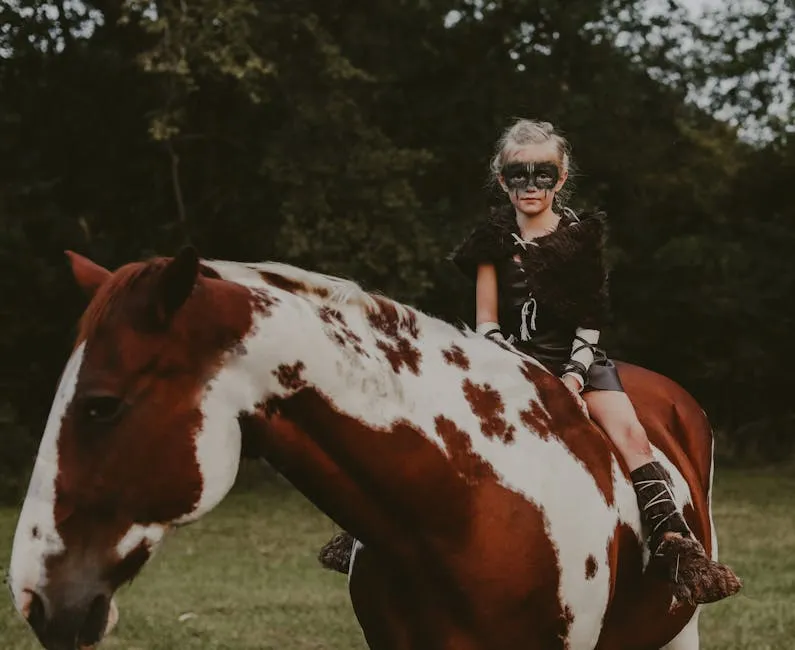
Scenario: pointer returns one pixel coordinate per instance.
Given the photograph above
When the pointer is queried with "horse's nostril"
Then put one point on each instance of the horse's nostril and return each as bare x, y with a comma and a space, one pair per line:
37, 614
96, 620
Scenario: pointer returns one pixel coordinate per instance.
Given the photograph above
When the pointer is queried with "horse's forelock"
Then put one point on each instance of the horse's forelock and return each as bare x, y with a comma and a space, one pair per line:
116, 291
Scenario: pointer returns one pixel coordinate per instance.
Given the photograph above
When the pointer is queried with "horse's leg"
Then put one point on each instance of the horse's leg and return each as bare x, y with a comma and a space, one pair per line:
375, 595
687, 639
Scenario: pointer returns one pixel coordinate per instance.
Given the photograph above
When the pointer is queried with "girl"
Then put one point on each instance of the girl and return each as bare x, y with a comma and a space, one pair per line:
541, 285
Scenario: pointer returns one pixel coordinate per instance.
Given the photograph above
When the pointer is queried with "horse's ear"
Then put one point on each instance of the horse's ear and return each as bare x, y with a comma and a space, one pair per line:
177, 281
88, 275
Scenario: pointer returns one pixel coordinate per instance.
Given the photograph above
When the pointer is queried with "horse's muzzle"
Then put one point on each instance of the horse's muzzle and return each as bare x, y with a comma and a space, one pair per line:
71, 623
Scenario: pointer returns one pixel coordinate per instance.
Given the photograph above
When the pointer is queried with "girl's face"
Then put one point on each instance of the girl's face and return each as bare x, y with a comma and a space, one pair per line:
532, 176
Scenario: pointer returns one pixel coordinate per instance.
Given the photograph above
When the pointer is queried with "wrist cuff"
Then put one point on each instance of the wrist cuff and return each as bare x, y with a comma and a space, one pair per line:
578, 377
491, 331
485, 328
577, 369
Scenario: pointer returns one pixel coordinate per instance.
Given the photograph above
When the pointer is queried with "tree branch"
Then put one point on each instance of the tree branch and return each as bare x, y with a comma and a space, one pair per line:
181, 215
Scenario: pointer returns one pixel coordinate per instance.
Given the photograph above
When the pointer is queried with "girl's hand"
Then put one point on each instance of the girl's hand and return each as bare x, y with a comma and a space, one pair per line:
574, 388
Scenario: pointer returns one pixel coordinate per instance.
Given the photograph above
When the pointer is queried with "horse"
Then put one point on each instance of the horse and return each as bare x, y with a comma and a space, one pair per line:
491, 511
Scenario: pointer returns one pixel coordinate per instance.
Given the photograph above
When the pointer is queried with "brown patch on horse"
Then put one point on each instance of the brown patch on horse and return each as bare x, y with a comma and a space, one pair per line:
284, 283
571, 427
468, 587
459, 446
402, 354
397, 328
330, 315
591, 567
289, 375
624, 562
262, 301
537, 419
568, 617
638, 599
339, 331
291, 285
455, 356
487, 405
391, 320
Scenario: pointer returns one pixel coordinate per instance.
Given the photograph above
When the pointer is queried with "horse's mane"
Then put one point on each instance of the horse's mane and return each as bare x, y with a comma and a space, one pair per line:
332, 288
327, 289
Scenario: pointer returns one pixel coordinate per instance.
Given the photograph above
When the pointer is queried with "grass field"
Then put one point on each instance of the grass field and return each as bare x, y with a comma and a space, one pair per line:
245, 577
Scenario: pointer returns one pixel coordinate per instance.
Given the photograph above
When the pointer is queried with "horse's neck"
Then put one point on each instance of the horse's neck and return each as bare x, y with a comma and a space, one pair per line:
390, 421
338, 415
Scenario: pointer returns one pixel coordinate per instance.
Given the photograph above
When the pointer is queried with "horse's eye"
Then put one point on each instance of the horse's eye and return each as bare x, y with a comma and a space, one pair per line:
101, 408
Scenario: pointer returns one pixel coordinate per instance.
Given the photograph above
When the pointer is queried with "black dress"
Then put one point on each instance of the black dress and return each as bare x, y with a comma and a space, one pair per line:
547, 287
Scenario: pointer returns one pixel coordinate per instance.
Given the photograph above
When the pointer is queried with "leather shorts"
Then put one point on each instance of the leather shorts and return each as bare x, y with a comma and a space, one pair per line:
602, 374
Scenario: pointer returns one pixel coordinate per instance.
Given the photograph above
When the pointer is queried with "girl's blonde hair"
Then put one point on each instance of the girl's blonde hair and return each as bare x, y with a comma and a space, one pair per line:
523, 132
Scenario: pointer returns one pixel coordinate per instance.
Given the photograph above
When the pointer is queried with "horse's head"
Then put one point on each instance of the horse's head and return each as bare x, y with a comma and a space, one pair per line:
137, 440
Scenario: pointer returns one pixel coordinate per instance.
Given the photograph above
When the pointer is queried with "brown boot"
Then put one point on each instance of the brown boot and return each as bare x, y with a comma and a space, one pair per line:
695, 577
336, 554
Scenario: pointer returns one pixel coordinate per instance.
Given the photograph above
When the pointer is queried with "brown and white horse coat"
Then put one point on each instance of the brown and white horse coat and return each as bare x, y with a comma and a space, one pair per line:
493, 512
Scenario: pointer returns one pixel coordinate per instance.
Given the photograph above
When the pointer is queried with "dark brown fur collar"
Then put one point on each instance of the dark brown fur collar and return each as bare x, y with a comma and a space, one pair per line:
566, 270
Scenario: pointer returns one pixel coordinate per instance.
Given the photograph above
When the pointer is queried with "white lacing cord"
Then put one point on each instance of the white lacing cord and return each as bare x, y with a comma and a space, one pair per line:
530, 307
664, 495
522, 242
524, 332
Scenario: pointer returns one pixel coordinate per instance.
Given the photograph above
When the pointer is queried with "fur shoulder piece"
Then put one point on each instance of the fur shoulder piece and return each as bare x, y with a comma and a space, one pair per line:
566, 271
488, 243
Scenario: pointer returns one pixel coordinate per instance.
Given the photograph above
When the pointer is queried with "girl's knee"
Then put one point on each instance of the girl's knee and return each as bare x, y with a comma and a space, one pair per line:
631, 436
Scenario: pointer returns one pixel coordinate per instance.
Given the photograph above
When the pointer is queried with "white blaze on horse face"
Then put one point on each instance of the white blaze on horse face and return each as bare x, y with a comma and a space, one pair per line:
36, 537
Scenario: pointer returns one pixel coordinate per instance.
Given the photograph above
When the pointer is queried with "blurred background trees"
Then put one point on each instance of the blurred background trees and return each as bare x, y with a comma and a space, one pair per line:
355, 141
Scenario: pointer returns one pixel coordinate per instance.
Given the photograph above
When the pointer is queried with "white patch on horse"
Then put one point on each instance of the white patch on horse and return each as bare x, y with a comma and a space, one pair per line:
36, 537
580, 523
687, 639
150, 535
713, 531
219, 442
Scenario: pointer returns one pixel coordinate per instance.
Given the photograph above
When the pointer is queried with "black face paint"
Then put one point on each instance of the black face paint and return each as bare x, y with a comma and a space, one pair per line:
531, 176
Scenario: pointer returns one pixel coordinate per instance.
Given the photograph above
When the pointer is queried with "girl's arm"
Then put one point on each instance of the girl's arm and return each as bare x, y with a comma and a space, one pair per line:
581, 355
486, 312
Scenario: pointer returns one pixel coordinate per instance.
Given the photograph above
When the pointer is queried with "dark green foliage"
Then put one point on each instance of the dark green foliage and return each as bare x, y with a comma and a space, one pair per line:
357, 143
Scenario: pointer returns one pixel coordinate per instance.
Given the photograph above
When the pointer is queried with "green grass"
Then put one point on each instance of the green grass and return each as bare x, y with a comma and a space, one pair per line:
755, 516
246, 577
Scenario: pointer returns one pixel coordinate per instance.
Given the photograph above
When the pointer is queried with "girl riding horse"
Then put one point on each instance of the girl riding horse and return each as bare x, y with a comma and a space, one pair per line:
541, 287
